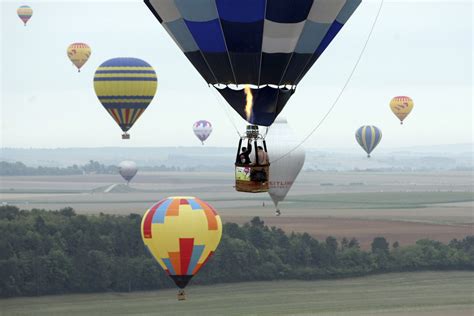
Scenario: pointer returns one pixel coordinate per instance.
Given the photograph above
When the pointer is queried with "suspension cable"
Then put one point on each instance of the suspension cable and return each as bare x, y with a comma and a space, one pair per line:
224, 108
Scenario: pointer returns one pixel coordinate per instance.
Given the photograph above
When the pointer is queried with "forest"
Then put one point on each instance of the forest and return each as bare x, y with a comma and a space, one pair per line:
57, 252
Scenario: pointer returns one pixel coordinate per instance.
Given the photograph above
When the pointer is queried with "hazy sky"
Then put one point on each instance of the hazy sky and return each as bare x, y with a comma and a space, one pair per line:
422, 49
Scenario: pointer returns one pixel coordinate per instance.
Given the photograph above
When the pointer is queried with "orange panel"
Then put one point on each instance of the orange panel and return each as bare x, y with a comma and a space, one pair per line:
173, 208
175, 262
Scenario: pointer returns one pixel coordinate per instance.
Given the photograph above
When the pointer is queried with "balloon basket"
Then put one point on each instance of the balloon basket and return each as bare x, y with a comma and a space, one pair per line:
181, 296
125, 136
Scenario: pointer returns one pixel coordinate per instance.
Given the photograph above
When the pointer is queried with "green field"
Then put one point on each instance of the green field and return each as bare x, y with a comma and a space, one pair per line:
422, 293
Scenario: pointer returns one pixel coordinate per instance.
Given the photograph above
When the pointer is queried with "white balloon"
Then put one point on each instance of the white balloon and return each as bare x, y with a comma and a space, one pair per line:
128, 169
284, 165
202, 129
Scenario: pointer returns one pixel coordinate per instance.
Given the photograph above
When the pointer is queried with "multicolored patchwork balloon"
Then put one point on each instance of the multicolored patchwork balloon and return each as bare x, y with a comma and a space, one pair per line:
368, 137
181, 233
401, 106
24, 13
125, 87
202, 129
79, 53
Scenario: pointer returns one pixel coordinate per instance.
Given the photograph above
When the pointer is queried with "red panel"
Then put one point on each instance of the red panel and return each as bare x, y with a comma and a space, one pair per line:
183, 202
148, 220
127, 116
185, 252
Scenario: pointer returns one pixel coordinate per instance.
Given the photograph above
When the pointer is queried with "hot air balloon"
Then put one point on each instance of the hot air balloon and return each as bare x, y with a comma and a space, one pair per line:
286, 160
182, 234
125, 87
401, 106
128, 170
258, 47
202, 129
24, 13
368, 137
79, 53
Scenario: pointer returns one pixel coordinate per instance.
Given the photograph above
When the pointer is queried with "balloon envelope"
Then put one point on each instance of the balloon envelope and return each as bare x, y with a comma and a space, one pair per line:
125, 87
128, 170
285, 164
181, 233
268, 44
401, 106
202, 129
78, 53
24, 13
368, 137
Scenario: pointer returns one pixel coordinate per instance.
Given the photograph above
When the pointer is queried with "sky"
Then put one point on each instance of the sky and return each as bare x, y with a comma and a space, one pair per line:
422, 49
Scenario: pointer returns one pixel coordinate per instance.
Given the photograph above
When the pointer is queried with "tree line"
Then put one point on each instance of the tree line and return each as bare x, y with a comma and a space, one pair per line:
57, 252
20, 169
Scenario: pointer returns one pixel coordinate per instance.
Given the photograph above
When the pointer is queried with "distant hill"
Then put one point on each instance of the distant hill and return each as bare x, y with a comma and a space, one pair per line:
204, 158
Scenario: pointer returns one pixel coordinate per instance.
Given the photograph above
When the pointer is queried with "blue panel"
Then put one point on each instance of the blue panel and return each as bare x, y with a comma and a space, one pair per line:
197, 252
368, 139
194, 205
330, 35
197, 10
243, 11
207, 35
243, 37
284, 11
125, 62
168, 264
159, 216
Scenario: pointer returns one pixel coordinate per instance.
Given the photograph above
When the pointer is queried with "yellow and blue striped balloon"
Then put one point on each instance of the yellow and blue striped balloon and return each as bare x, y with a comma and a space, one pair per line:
368, 137
125, 87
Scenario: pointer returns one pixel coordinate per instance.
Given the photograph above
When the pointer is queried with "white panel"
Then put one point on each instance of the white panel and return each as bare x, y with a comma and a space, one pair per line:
166, 9
280, 37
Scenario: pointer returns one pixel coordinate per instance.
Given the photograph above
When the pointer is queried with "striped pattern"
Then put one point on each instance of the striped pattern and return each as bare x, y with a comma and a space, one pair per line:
401, 106
258, 42
24, 13
368, 137
202, 129
79, 53
181, 233
125, 87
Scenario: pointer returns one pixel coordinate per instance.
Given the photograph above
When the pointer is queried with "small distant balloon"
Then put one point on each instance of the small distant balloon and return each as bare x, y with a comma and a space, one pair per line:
401, 106
125, 87
202, 129
79, 53
182, 234
368, 137
128, 170
24, 13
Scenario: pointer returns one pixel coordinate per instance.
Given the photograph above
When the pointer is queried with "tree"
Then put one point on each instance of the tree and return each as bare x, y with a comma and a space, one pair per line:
380, 245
